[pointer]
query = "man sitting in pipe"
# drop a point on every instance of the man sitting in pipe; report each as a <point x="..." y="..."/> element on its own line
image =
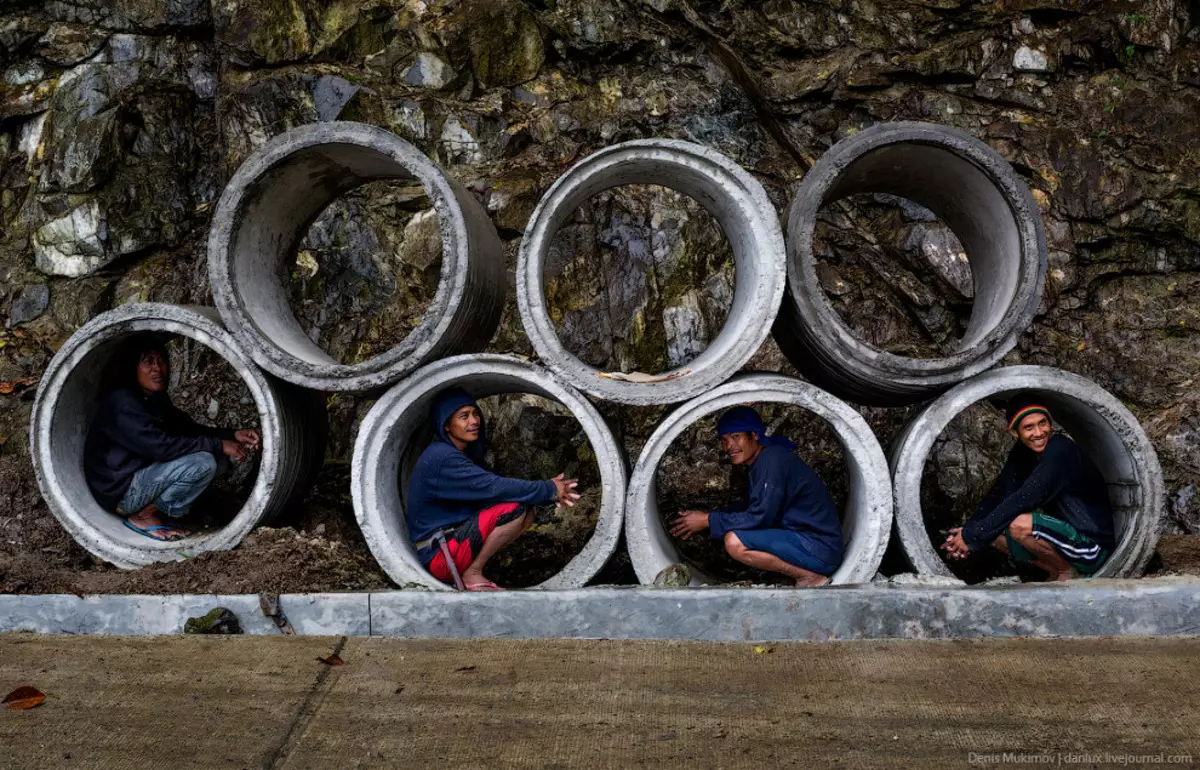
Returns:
<point x="788" y="523"/>
<point x="143" y="456"/>
<point x="459" y="513"/>
<point x="1049" y="506"/>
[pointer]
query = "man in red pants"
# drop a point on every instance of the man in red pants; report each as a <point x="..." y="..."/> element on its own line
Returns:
<point x="460" y="513"/>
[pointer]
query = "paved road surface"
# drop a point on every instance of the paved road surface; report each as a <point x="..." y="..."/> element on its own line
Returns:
<point x="266" y="702"/>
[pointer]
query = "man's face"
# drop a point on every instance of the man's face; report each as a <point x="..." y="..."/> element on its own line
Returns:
<point x="152" y="372"/>
<point x="1034" y="431"/>
<point x="742" y="447"/>
<point x="463" y="425"/>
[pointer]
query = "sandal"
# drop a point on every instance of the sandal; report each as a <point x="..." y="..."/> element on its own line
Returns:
<point x="486" y="585"/>
<point x="171" y="531"/>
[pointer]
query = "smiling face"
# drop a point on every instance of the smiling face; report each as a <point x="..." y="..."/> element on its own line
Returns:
<point x="1034" y="431"/>
<point x="463" y="426"/>
<point x="741" y="446"/>
<point x="152" y="372"/>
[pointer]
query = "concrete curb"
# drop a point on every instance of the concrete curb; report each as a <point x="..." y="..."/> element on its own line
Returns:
<point x="266" y="209"/>
<point x="66" y="403"/>
<point x="1100" y="423"/>
<point x="974" y="191"/>
<point x="1162" y="607"/>
<point x="867" y="519"/>
<point x="747" y="218"/>
<point x="390" y="439"/>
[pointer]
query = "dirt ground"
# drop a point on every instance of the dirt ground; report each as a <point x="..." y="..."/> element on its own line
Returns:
<point x="267" y="702"/>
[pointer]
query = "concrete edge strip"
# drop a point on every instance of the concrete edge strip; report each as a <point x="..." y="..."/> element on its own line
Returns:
<point x="1161" y="607"/>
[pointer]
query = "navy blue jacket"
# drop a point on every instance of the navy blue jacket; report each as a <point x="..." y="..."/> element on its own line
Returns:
<point x="449" y="486"/>
<point x="1060" y="481"/>
<point x="784" y="493"/>
<point x="132" y="430"/>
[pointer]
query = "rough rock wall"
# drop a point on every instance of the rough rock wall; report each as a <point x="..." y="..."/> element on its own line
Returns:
<point x="120" y="120"/>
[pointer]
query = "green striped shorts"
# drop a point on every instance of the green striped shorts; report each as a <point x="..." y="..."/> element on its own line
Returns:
<point x="1084" y="554"/>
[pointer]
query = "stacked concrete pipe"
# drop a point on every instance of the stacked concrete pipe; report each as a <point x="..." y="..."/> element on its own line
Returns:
<point x="1100" y="425"/>
<point x="867" y="515"/>
<point x="290" y="422"/>
<point x="266" y="210"/>
<point x="747" y="218"/>
<point x="394" y="432"/>
<point x="978" y="195"/>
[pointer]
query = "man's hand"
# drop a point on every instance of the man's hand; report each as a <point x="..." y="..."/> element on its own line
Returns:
<point x="566" y="491"/>
<point x="248" y="438"/>
<point x="233" y="450"/>
<point x="955" y="547"/>
<point x="688" y="523"/>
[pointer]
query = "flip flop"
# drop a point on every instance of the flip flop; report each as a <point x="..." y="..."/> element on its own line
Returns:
<point x="147" y="530"/>
<point x="486" y="585"/>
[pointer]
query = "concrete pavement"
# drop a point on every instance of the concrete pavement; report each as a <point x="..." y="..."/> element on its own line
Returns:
<point x="266" y="702"/>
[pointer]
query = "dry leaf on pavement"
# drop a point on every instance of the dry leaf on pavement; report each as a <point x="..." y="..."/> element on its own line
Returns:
<point x="332" y="660"/>
<point x="24" y="697"/>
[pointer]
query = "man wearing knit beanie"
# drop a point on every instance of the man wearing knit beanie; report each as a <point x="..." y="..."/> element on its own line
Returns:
<point x="788" y="522"/>
<point x="1049" y="507"/>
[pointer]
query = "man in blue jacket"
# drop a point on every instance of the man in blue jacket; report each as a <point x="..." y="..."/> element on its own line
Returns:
<point x="143" y="456"/>
<point x="459" y="513"/>
<point x="788" y="523"/>
<point x="1049" y="506"/>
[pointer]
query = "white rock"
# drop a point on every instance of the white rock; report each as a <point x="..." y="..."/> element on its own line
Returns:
<point x="458" y="144"/>
<point x="428" y="71"/>
<point x="73" y="245"/>
<point x="1028" y="59"/>
<point x="687" y="334"/>
<point x="31" y="136"/>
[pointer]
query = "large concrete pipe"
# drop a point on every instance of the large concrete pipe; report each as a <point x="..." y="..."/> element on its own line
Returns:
<point x="978" y="195"/>
<point x="265" y="212"/>
<point x="390" y="440"/>
<point x="291" y="424"/>
<point x="866" y="517"/>
<point x="726" y="191"/>
<point x="1101" y="426"/>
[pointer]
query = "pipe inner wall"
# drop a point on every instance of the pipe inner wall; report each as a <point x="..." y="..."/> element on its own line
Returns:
<point x="264" y="214"/>
<point x="747" y="219"/>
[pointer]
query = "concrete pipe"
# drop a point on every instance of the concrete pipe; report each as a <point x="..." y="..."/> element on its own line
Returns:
<point x="393" y="434"/>
<point x="866" y="518"/>
<point x="66" y="402"/>
<point x="265" y="212"/>
<point x="978" y="195"/>
<point x="1101" y="426"/>
<point x="726" y="191"/>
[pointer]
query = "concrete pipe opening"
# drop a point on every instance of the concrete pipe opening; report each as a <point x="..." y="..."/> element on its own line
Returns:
<point x="264" y="214"/>
<point x="977" y="194"/>
<point x="747" y="218"/>
<point x="292" y="434"/>
<point x="395" y="431"/>
<point x="1100" y="425"/>
<point x="866" y="516"/>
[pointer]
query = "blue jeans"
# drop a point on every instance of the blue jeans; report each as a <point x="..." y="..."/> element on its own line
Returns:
<point x="172" y="486"/>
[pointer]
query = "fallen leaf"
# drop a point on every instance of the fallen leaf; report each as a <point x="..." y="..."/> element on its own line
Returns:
<point x="24" y="697"/>
<point x="1081" y="346"/>
<point x="764" y="650"/>
<point x="465" y="668"/>
<point x="332" y="660"/>
<point x="8" y="387"/>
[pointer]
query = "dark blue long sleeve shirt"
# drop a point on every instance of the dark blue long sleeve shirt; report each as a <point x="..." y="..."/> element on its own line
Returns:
<point x="785" y="493"/>
<point x="132" y="430"/>
<point x="1060" y="481"/>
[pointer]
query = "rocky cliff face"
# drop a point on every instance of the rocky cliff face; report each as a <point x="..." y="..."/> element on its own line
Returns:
<point x="120" y="122"/>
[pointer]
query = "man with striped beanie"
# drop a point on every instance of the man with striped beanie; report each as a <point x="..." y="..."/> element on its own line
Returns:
<point x="1049" y="507"/>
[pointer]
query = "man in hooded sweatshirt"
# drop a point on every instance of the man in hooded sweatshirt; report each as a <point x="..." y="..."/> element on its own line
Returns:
<point x="458" y="507"/>
<point x="1049" y="506"/>
<point x="788" y="522"/>
<point x="143" y="456"/>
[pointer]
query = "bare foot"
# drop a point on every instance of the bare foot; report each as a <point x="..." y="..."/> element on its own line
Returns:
<point x="1064" y="576"/>
<point x="813" y="582"/>
<point x="146" y="523"/>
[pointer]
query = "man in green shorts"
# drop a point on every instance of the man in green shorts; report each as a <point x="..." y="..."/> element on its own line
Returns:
<point x="1048" y="508"/>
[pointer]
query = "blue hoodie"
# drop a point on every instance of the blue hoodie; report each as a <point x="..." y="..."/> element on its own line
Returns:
<point x="449" y="485"/>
